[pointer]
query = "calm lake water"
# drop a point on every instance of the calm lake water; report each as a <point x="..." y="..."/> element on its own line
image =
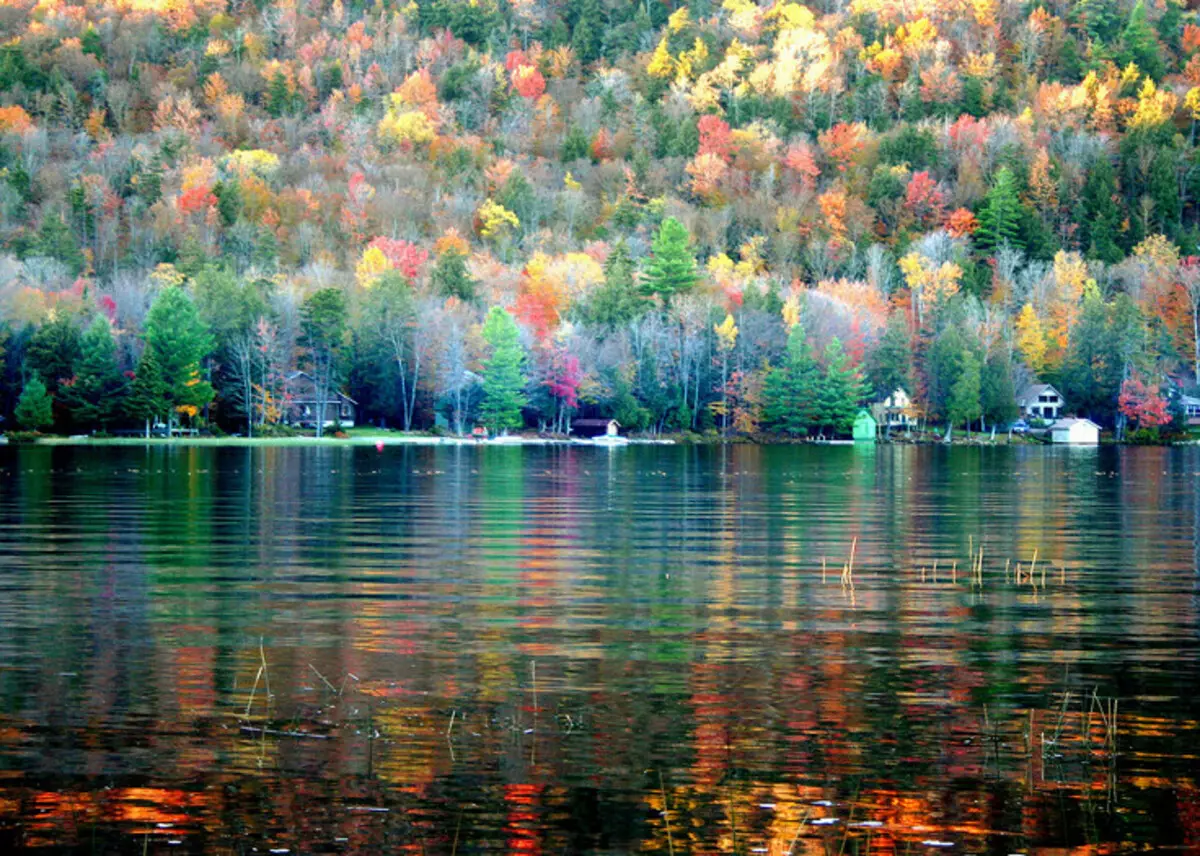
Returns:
<point x="569" y="650"/>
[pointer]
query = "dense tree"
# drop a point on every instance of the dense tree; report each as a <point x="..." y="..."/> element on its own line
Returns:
<point x="840" y="391"/>
<point x="95" y="392"/>
<point x="451" y="277"/>
<point x="997" y="395"/>
<point x="672" y="267"/>
<point x="503" y="373"/>
<point x="790" y="403"/>
<point x="54" y="350"/>
<point x="34" y="407"/>
<point x="890" y="365"/>
<point x="905" y="192"/>
<point x="1001" y="214"/>
<point x="323" y="338"/>
<point x="178" y="341"/>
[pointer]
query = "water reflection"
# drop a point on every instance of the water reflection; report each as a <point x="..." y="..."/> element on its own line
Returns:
<point x="580" y="650"/>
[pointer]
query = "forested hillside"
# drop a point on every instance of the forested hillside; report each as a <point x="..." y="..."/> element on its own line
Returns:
<point x="689" y="216"/>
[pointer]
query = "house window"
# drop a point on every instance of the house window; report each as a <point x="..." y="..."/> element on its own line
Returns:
<point x="345" y="411"/>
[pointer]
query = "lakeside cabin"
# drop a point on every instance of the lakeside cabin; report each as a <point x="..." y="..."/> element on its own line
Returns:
<point x="895" y="413"/>
<point x="592" y="428"/>
<point x="304" y="406"/>
<point x="865" y="427"/>
<point x="1191" y="409"/>
<point x="1077" y="432"/>
<point x="1040" y="401"/>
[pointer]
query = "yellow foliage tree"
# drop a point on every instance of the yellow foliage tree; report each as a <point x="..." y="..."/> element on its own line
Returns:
<point x="661" y="65"/>
<point x="495" y="220"/>
<point x="1031" y="339"/>
<point x="931" y="284"/>
<point x="370" y="266"/>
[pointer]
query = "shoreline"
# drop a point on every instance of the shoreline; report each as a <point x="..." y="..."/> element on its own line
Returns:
<point x="400" y="439"/>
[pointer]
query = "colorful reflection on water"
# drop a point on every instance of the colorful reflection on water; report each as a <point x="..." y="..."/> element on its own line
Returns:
<point x="569" y="650"/>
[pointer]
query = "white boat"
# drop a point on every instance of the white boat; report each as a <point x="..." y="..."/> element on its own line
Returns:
<point x="603" y="440"/>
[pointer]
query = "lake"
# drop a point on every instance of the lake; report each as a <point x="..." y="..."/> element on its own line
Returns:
<point x="579" y="650"/>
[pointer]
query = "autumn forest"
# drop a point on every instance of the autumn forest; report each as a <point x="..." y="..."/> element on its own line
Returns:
<point x="723" y="218"/>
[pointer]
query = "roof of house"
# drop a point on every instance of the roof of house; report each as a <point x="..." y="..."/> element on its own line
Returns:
<point x="333" y="392"/>
<point x="1031" y="392"/>
<point x="594" y="423"/>
<point x="1067" y="424"/>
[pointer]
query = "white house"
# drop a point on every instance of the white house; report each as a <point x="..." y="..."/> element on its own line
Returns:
<point x="1081" y="432"/>
<point x="895" y="411"/>
<point x="1040" y="401"/>
<point x="1191" y="407"/>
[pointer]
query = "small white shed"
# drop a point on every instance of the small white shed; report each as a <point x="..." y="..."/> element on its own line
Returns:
<point x="1083" y="432"/>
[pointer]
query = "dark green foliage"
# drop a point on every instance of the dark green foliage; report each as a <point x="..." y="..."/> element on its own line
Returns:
<point x="1100" y="218"/>
<point x="839" y="392"/>
<point x="451" y="278"/>
<point x="963" y="405"/>
<point x="503" y="373"/>
<point x="576" y="145"/>
<point x="148" y="396"/>
<point x="94" y="395"/>
<point x="178" y="339"/>
<point x="1000" y="216"/>
<point x="616" y="302"/>
<point x="672" y="267"/>
<point x="1140" y="45"/>
<point x="54" y="350"/>
<point x="890" y="363"/>
<point x="323" y="330"/>
<point x="55" y="240"/>
<point x="35" y="406"/>
<point x="909" y="145"/>
<point x="998" y="397"/>
<point x="229" y="200"/>
<point x="790" y="392"/>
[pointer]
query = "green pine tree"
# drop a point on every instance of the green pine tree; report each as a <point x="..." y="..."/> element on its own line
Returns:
<point x="1140" y="43"/>
<point x="503" y="373"/>
<point x="790" y="390"/>
<point x="1000" y="216"/>
<point x="890" y="364"/>
<point x="840" y="390"/>
<point x="616" y="302"/>
<point x="54" y="350"/>
<point x="147" y="400"/>
<point x="94" y="396"/>
<point x="35" y="406"/>
<point x="179" y="341"/>
<point x="672" y="268"/>
<point x="1100" y="221"/>
<point x="963" y="406"/>
<point x="451" y="278"/>
<point x="998" y="397"/>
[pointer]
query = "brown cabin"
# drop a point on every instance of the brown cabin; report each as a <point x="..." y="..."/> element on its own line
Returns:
<point x="595" y="427"/>
<point x="304" y="407"/>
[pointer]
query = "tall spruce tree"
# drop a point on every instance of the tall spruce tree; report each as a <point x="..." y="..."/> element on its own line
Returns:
<point x="1100" y="218"/>
<point x="503" y="373"/>
<point x="95" y="393"/>
<point x="672" y="267"/>
<point x="323" y="337"/>
<point x="1000" y="216"/>
<point x="179" y="341"/>
<point x="840" y="391"/>
<point x="35" y="406"/>
<point x="998" y="397"/>
<point x="790" y="390"/>
<point x="147" y="399"/>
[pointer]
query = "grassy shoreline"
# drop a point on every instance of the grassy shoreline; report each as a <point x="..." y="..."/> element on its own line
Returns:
<point x="368" y="437"/>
